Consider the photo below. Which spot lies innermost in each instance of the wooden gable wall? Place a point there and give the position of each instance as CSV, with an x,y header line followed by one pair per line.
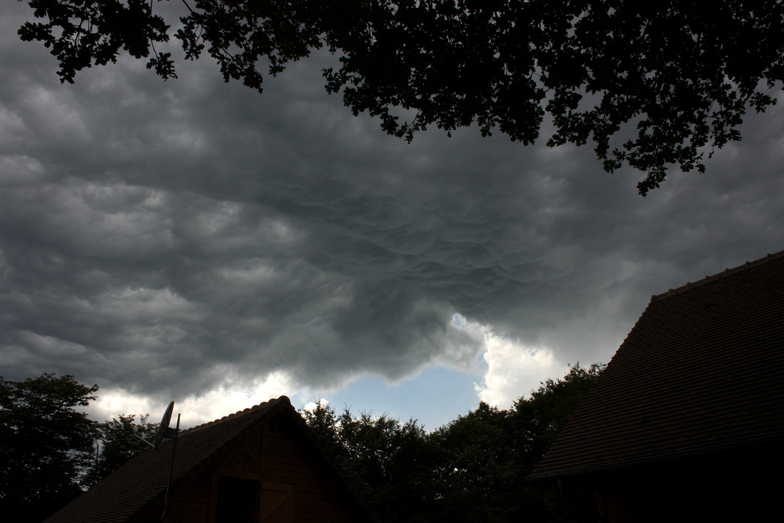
x,y
290,460
292,482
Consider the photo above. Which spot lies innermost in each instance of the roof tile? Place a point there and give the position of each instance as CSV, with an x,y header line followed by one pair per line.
x,y
700,370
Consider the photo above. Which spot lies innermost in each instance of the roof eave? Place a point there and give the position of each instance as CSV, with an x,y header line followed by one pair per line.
x,y
630,464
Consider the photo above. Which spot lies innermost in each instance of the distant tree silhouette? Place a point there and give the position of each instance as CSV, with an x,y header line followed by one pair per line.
x,y
46,445
472,469
119,442
387,461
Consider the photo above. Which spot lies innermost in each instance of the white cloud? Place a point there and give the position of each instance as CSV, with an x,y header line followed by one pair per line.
x,y
513,368
311,405
228,398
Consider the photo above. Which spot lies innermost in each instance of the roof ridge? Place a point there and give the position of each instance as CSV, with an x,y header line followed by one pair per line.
x,y
234,415
718,276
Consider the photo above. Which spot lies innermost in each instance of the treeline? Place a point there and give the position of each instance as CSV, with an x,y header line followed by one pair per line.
x,y
49,452
472,469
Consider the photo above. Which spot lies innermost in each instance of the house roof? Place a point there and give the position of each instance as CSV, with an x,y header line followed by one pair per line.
x,y
701,371
144,479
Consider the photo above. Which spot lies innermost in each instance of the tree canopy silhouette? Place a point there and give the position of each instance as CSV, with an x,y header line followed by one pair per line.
x,y
119,442
471,469
45,444
651,84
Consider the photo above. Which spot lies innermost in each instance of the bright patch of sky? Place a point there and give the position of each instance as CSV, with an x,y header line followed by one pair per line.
x,y
195,410
506,371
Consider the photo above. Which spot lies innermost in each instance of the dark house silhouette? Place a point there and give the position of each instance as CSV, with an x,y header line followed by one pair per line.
x,y
687,421
257,465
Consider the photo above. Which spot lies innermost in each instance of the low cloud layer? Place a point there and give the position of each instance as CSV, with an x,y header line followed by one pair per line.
x,y
190,237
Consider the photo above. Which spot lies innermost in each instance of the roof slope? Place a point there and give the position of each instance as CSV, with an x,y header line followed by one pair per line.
x,y
144,478
700,371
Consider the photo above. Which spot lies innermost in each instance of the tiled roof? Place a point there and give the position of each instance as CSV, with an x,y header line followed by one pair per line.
x,y
145,478
699,372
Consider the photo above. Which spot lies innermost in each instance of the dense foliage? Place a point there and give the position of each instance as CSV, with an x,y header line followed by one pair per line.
x,y
650,84
473,469
48,447
119,442
386,460
45,444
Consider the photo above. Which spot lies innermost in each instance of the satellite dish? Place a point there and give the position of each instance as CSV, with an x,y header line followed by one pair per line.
x,y
164,431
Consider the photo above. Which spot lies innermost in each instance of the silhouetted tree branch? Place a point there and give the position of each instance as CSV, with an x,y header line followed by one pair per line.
x,y
681,75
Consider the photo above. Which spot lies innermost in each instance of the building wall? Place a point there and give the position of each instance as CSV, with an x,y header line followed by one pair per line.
x,y
741,484
270,473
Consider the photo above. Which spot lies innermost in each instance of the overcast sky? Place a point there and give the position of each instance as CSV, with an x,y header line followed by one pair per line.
x,y
196,241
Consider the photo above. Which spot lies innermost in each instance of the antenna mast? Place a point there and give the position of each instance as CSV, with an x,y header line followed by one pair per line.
x,y
175,432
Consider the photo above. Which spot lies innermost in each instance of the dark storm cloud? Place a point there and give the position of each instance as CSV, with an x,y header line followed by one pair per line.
x,y
154,234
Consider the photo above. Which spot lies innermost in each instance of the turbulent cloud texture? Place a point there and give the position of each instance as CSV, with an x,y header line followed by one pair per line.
x,y
193,237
